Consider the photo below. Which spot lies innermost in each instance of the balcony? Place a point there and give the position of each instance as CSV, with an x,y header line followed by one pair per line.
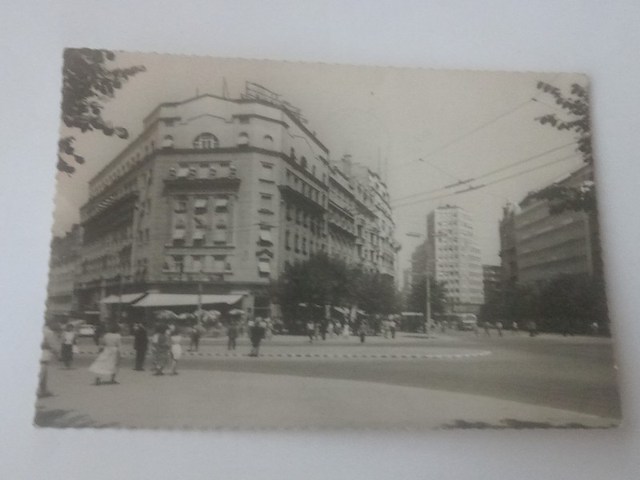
x,y
188,184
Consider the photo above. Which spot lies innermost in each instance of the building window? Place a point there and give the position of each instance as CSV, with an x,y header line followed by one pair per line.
x,y
289,212
303,162
267,172
178,262
204,170
196,264
198,237
287,244
205,141
264,267
265,235
296,243
220,235
222,204
304,245
200,205
268,140
243,139
183,171
219,263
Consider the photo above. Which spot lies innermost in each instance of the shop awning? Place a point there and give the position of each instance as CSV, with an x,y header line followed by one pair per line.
x,y
125,298
185,299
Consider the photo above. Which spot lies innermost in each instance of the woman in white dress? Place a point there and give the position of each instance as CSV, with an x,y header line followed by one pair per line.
x,y
106,365
176,350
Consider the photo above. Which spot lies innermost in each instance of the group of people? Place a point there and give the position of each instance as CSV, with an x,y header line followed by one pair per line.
x,y
166,346
316,330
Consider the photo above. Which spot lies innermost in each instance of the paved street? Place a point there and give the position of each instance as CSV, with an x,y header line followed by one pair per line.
x,y
451,379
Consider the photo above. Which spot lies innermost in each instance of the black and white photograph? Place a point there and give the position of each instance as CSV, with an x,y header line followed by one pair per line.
x,y
255,244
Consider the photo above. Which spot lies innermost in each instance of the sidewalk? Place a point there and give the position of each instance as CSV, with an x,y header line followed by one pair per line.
x,y
197,399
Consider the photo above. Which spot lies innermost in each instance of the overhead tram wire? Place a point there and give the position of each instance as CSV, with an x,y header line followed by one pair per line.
x,y
487,174
478,187
455,140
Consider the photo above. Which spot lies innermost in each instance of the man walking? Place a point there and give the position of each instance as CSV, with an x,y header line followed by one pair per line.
x,y
257,334
140,345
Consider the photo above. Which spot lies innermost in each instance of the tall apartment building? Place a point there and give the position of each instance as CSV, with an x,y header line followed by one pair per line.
x,y
549,245
454,257
220,195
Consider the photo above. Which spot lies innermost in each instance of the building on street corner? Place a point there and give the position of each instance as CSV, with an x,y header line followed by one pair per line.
x,y
218,196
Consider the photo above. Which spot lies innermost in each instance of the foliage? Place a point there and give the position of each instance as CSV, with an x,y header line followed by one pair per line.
x,y
323,280
88,83
417,301
565,304
576,107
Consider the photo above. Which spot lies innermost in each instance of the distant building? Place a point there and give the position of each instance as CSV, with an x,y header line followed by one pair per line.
x,y
548,245
219,195
454,257
491,280
508,254
63,269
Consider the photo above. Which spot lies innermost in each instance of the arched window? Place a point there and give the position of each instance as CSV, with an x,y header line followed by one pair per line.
x,y
205,141
303,162
268,140
243,139
167,141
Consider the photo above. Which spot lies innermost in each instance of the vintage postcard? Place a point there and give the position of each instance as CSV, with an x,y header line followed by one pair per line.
x,y
260,244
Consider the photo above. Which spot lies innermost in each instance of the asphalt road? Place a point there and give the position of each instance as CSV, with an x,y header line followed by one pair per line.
x,y
572,373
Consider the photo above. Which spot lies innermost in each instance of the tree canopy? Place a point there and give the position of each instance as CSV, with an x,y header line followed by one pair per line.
x,y
322,280
89,82
576,119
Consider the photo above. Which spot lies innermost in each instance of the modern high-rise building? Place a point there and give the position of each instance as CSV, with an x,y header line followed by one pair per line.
x,y
219,195
548,245
454,257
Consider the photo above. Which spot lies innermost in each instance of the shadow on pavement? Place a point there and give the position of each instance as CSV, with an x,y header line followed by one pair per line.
x,y
66,419
517,424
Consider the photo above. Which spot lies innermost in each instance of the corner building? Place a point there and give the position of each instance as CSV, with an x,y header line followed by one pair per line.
x,y
216,195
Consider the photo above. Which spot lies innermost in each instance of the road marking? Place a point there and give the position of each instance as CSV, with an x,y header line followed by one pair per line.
x,y
375,356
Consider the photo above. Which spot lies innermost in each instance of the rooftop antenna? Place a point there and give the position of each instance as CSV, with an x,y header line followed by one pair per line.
x,y
225,90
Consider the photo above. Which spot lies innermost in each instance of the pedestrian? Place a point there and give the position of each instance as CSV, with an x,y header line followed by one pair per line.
x,y
98,333
533,330
595,328
486,328
195,334
68,344
268,328
514,327
232,334
323,329
392,327
257,334
48,347
140,345
362,330
311,329
176,350
160,348
345,329
499,327
108,360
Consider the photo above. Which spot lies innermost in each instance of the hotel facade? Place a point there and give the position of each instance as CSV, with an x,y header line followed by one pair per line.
x,y
218,196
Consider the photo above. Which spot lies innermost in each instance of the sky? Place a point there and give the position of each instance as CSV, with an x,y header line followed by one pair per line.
x,y
421,129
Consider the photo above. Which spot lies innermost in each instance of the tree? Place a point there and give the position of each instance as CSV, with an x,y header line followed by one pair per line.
x,y
88,83
317,282
417,301
576,107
